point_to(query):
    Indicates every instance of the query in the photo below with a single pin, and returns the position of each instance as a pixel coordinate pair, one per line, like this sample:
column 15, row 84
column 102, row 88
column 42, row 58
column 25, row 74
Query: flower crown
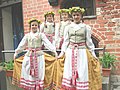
column 34, row 19
column 63, row 10
column 47, row 13
column 76, row 9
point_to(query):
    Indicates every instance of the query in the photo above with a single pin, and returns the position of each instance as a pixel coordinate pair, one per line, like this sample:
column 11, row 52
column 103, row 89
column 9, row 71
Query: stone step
column 117, row 88
column 116, row 83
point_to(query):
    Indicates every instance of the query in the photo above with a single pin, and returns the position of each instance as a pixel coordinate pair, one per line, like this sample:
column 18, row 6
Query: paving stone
column 116, row 89
column 114, row 83
column 105, row 80
column 105, row 83
column 114, row 78
column 105, row 86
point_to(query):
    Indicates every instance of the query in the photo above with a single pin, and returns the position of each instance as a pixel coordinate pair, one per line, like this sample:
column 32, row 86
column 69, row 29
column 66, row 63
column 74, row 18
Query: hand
column 15, row 55
column 94, row 55
column 96, row 58
column 61, row 54
column 56, row 55
column 57, row 47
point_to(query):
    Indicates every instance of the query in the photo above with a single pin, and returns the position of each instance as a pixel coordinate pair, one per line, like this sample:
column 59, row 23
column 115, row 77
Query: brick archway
column 98, row 40
column 98, row 35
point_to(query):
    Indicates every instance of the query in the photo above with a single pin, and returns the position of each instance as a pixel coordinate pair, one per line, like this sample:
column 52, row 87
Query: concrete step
column 117, row 88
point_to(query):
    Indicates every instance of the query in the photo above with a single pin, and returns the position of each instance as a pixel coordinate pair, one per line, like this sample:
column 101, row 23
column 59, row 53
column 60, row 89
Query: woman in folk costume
column 33, row 66
column 59, row 33
column 48, row 27
column 64, row 14
column 81, row 67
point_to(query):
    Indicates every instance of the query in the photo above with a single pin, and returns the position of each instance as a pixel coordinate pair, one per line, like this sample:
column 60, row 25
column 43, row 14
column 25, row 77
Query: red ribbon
column 50, row 36
column 34, row 66
column 61, row 42
column 74, row 62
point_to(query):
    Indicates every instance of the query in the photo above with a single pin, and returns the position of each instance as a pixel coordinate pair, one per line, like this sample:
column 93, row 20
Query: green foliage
column 7, row 65
column 108, row 60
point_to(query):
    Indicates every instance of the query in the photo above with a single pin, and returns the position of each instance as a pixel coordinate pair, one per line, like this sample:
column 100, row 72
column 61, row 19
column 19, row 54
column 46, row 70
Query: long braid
column 45, row 23
column 39, row 27
column 60, row 24
column 29, row 27
column 53, row 21
column 82, row 19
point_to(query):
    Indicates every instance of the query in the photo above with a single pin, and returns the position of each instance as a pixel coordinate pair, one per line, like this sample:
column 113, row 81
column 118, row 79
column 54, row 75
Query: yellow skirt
column 54, row 71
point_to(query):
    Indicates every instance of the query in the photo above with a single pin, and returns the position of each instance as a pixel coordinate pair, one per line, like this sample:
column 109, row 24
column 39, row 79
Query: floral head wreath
column 76, row 9
column 47, row 13
column 34, row 19
column 63, row 10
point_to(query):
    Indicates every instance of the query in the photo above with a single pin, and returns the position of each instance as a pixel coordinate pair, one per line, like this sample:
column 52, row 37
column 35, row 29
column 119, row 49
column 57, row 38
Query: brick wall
column 108, row 20
column 106, row 27
column 36, row 9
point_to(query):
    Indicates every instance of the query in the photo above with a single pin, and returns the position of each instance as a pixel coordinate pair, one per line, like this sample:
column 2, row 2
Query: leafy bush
column 7, row 65
column 108, row 60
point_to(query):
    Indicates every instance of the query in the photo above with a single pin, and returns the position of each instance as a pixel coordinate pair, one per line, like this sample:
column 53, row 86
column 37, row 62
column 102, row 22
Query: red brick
column 102, row 25
column 101, row 21
column 118, row 55
column 92, row 22
column 102, row 29
column 107, row 17
column 117, row 41
column 100, row 4
column 110, row 50
column 110, row 24
column 103, row 37
column 110, row 37
column 110, row 33
column 117, row 7
column 109, row 10
column 99, row 17
column 109, row 42
column 118, row 58
column 97, row 26
column 117, row 16
column 117, row 50
column 110, row 7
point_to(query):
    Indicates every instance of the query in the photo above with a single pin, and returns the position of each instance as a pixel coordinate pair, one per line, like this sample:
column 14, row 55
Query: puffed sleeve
column 22, row 45
column 66, row 39
column 89, row 41
column 47, row 43
column 56, row 34
column 42, row 27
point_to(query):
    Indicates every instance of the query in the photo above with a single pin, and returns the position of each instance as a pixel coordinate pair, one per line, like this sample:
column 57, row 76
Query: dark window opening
column 8, row 2
column 11, row 26
column 1, row 36
column 96, row 46
column 88, row 5
column 17, row 22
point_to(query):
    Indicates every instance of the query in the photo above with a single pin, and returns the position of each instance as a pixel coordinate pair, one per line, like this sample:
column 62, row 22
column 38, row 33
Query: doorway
column 12, row 28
